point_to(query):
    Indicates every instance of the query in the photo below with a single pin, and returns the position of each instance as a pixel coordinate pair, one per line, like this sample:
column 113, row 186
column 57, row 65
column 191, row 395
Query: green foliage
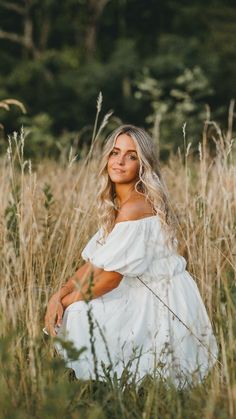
column 58, row 394
column 48, row 196
column 172, row 104
column 12, row 218
column 81, row 48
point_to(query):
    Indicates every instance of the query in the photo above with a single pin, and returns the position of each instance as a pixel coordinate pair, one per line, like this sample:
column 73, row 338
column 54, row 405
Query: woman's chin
column 118, row 178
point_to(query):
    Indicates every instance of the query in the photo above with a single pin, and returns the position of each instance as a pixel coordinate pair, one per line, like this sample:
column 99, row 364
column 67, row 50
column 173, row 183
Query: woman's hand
column 71, row 298
column 54, row 314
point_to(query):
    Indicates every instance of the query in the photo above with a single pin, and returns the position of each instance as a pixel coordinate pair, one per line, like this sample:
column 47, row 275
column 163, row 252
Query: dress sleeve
column 91, row 246
column 126, row 249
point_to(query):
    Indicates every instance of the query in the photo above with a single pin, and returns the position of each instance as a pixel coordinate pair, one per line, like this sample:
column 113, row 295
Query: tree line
column 158, row 64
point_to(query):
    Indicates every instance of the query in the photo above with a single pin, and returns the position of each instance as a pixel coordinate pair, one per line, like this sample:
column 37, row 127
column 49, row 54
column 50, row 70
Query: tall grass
column 47, row 214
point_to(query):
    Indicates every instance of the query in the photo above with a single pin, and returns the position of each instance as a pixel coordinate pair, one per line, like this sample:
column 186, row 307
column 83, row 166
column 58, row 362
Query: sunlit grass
column 48, row 213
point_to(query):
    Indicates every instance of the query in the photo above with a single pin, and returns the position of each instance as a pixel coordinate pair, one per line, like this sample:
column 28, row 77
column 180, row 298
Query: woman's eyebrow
column 117, row 148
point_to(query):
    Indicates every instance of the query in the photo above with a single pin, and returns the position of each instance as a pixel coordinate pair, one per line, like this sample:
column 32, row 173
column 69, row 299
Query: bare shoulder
column 134, row 209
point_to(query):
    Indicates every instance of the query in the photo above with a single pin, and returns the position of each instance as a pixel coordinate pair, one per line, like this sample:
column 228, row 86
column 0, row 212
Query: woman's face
column 123, row 163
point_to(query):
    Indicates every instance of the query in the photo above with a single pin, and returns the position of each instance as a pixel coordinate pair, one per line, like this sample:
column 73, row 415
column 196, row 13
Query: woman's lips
column 118, row 171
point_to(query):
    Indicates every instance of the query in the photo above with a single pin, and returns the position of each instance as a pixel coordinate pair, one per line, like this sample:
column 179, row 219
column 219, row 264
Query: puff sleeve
column 126, row 249
column 91, row 246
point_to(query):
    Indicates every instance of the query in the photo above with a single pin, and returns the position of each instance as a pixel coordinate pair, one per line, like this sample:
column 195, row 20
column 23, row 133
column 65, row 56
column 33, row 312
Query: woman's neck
column 124, row 192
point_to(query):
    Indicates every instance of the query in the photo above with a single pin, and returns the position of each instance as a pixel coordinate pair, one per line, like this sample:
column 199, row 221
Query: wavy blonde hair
column 150, row 183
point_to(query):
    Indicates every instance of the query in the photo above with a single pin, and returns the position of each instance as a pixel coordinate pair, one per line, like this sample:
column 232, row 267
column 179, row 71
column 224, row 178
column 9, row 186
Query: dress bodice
column 135, row 248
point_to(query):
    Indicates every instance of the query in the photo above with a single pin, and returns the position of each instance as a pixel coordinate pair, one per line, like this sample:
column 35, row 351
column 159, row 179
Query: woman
column 144, row 307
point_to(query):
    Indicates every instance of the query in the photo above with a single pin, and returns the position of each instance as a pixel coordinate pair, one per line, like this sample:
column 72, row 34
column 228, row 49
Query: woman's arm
column 99, row 285
column 79, row 277
column 55, row 309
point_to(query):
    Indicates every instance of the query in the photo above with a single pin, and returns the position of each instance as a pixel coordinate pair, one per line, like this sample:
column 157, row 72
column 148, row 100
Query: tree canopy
column 153, row 61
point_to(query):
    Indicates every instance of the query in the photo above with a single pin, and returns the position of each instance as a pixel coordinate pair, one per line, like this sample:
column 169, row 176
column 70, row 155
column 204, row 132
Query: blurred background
column 168, row 66
column 158, row 64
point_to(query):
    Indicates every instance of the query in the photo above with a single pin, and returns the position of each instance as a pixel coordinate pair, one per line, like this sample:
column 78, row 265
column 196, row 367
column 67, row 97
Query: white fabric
column 175, row 342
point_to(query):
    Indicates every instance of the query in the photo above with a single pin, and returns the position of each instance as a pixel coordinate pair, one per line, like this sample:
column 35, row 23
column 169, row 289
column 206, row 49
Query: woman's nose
column 121, row 159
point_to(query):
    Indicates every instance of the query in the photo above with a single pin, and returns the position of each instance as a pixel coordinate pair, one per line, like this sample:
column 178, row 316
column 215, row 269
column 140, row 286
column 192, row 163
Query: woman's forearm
column 100, row 285
column 80, row 277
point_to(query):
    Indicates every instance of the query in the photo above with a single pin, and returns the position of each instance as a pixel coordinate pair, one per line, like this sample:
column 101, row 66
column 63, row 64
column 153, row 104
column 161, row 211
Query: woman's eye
column 130, row 156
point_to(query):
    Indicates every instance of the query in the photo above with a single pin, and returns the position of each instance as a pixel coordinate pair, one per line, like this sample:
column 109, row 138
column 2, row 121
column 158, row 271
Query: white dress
column 153, row 323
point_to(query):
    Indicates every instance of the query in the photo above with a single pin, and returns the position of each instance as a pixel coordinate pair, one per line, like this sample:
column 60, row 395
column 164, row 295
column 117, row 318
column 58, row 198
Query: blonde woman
column 145, row 308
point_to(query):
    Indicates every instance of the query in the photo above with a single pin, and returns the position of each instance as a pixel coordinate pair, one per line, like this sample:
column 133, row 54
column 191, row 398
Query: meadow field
column 47, row 214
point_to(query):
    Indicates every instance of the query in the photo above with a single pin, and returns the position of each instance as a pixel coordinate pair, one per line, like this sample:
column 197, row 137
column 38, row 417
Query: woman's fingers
column 53, row 317
column 60, row 312
column 51, row 330
column 50, row 327
column 50, row 321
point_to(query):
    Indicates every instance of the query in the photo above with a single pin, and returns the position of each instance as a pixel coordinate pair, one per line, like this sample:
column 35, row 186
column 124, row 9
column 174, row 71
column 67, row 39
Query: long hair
column 150, row 183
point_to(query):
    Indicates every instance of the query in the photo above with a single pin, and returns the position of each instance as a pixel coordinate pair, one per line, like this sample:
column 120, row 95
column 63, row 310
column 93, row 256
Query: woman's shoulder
column 135, row 208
